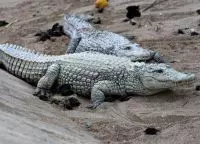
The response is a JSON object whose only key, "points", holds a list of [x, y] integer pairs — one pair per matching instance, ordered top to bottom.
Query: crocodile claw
{"points": [[42, 93], [93, 105]]}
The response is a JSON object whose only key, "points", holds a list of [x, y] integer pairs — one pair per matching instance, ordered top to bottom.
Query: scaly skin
{"points": [[84, 37], [92, 75]]}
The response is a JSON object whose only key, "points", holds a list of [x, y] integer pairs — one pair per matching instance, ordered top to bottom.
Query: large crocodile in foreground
{"points": [[84, 37], [92, 75]]}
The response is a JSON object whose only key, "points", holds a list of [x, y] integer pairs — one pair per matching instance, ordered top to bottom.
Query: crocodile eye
{"points": [[127, 48], [158, 71]]}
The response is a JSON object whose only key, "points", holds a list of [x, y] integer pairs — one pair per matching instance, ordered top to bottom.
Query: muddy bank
{"points": [[25, 119]]}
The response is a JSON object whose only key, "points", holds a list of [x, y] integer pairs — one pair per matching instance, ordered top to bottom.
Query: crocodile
{"points": [[84, 37], [91, 75]]}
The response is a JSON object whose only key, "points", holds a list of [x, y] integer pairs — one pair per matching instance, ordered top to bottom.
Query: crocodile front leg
{"points": [[73, 44], [46, 82], [101, 89]]}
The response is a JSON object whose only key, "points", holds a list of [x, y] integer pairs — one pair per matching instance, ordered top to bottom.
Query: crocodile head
{"points": [[137, 53], [153, 78]]}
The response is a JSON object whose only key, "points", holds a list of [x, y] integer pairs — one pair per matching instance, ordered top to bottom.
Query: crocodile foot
{"points": [[43, 94]]}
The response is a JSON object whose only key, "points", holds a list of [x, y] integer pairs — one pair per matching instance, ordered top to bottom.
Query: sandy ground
{"points": [[10, 3], [176, 113]]}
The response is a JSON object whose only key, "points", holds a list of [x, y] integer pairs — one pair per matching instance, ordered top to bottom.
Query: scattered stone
{"points": [[133, 11], [198, 11], [3, 23], [56, 31], [180, 31], [188, 31], [194, 33], [43, 36], [130, 37], [173, 61], [198, 88], [65, 102], [71, 103], [88, 124], [151, 131]]}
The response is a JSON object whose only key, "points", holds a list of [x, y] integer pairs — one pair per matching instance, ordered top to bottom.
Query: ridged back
{"points": [[19, 52], [24, 63]]}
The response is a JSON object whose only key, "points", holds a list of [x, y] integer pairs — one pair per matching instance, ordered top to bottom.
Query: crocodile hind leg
{"points": [[46, 82], [99, 91]]}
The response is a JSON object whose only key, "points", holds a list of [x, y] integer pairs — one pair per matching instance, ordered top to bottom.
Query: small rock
{"points": [[133, 11], [198, 11], [3, 23], [55, 31], [180, 31], [194, 33], [43, 36], [130, 37], [173, 61], [198, 88], [65, 102], [74, 102], [88, 124], [151, 131]]}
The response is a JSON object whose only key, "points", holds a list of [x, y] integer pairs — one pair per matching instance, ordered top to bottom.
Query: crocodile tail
{"points": [[74, 24]]}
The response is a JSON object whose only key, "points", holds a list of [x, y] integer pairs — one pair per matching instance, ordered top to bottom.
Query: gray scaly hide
{"points": [[84, 37], [92, 75]]}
